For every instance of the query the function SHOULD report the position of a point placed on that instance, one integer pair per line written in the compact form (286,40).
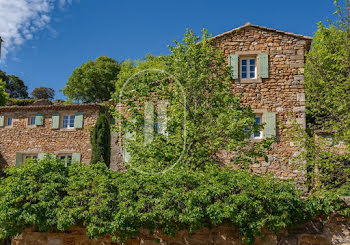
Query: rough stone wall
(335,231)
(43,139)
(282,92)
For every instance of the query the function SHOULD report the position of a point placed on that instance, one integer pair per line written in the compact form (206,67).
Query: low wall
(333,230)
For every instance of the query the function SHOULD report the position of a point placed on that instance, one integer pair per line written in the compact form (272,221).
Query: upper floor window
(68,121)
(31,121)
(8,121)
(248,68)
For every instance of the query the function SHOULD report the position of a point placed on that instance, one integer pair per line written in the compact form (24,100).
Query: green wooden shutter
(39,119)
(263,65)
(41,156)
(233,64)
(19,159)
(270,124)
(76,157)
(79,120)
(2,121)
(55,123)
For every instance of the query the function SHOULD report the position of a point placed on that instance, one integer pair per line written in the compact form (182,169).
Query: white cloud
(21,19)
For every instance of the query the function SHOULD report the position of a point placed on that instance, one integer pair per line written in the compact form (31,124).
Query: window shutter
(39,119)
(41,156)
(2,121)
(233,64)
(55,123)
(162,118)
(19,159)
(126,154)
(270,124)
(79,119)
(263,65)
(76,157)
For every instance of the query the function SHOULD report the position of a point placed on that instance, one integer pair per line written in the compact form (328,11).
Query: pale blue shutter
(76,157)
(2,121)
(233,64)
(41,156)
(79,120)
(55,123)
(270,124)
(39,119)
(19,159)
(263,67)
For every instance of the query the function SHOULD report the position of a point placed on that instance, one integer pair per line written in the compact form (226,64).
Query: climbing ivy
(47,196)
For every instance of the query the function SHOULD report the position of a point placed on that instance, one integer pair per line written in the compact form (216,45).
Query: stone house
(268,70)
(35,130)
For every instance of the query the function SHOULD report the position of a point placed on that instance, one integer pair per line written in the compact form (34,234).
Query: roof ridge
(248,24)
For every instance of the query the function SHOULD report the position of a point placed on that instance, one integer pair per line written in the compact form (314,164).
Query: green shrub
(20,102)
(47,196)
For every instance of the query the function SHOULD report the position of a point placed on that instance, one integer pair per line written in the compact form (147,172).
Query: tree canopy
(94,81)
(327,76)
(15,87)
(193,85)
(3,95)
(43,93)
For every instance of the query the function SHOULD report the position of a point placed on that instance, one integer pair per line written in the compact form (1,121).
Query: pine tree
(101,141)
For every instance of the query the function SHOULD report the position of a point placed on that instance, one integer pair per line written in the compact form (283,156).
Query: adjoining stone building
(35,130)
(268,70)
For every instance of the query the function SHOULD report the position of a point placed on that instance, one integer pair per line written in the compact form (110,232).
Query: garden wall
(335,230)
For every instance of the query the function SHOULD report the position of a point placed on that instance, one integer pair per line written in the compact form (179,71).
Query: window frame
(6,125)
(29,122)
(69,115)
(248,59)
(26,156)
(261,132)
(66,158)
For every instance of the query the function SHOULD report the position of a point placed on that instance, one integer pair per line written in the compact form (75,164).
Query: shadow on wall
(3,165)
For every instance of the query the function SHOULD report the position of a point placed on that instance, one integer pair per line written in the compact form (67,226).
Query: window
(31,121)
(8,121)
(258,135)
(66,158)
(248,68)
(68,121)
(29,156)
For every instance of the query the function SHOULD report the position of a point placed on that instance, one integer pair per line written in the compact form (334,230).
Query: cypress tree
(101,141)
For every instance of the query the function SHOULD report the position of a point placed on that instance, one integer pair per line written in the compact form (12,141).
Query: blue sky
(71,32)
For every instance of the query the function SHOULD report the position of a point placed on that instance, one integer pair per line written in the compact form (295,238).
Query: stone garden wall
(334,230)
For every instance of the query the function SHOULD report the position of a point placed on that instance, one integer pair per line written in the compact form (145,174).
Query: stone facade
(281,92)
(31,140)
(334,230)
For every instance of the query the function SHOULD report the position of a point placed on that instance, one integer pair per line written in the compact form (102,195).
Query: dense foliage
(94,81)
(15,87)
(20,102)
(203,115)
(327,76)
(48,196)
(3,95)
(43,93)
(101,141)
(327,83)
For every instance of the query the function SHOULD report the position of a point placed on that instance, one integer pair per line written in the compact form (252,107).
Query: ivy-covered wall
(336,230)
